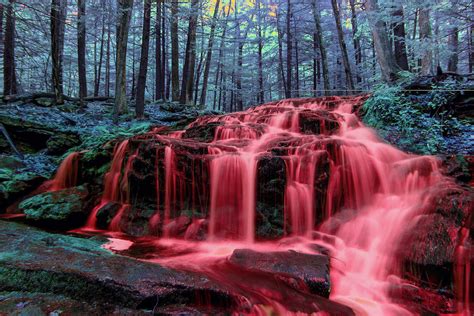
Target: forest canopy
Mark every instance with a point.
(226, 54)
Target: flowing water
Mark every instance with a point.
(373, 196)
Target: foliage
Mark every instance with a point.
(414, 122)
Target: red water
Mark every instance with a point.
(66, 175)
(375, 194)
(112, 184)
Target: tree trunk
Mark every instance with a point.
(210, 45)
(58, 17)
(159, 74)
(280, 54)
(453, 44)
(471, 42)
(101, 54)
(1, 29)
(342, 45)
(123, 26)
(381, 43)
(190, 57)
(81, 48)
(289, 52)
(107, 63)
(141, 85)
(9, 71)
(425, 37)
(355, 38)
(261, 92)
(399, 36)
(219, 72)
(174, 50)
(297, 68)
(322, 47)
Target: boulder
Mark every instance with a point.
(61, 143)
(16, 186)
(106, 213)
(79, 269)
(305, 272)
(64, 208)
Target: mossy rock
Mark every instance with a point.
(19, 185)
(64, 208)
(45, 102)
(60, 143)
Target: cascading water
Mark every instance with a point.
(373, 195)
(67, 173)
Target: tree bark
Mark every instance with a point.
(1, 29)
(107, 62)
(142, 73)
(280, 53)
(101, 54)
(174, 51)
(355, 38)
(159, 75)
(381, 43)
(425, 37)
(58, 18)
(289, 52)
(81, 48)
(453, 44)
(123, 26)
(261, 92)
(219, 72)
(399, 36)
(190, 57)
(322, 47)
(342, 45)
(210, 45)
(9, 71)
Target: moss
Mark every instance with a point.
(60, 206)
(73, 285)
(414, 122)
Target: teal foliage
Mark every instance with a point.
(414, 123)
(105, 133)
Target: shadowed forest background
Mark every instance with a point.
(227, 54)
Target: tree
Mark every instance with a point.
(210, 46)
(261, 92)
(190, 57)
(81, 48)
(174, 50)
(160, 71)
(399, 36)
(289, 48)
(141, 84)
(9, 71)
(58, 20)
(383, 50)
(425, 37)
(453, 45)
(342, 45)
(1, 29)
(322, 48)
(355, 37)
(123, 26)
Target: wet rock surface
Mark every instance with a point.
(299, 270)
(58, 209)
(33, 261)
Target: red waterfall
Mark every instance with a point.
(370, 198)
(112, 189)
(66, 175)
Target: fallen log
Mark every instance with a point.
(31, 97)
(10, 141)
